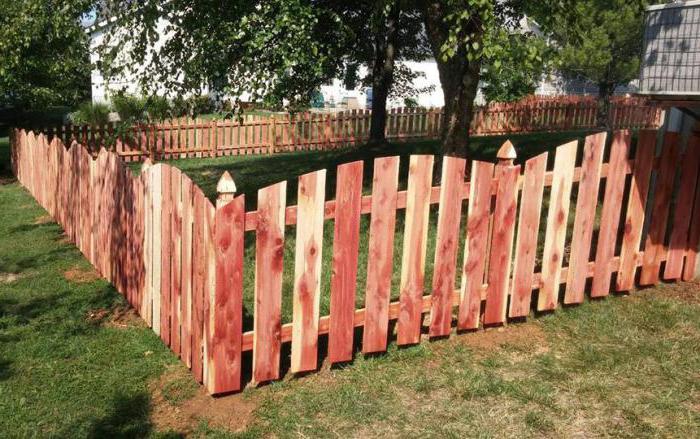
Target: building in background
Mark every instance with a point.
(670, 70)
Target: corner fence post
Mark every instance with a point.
(226, 304)
(506, 156)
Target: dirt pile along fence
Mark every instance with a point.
(183, 137)
(179, 259)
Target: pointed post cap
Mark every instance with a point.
(506, 153)
(226, 187)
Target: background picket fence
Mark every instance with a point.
(255, 134)
(179, 259)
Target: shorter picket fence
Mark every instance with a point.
(255, 134)
(179, 259)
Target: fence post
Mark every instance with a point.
(506, 155)
(225, 332)
(273, 135)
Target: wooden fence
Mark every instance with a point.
(179, 259)
(254, 134)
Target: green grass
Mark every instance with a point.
(621, 367)
(63, 373)
(255, 172)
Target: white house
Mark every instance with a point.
(335, 94)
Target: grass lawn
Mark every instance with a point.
(75, 362)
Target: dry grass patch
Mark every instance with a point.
(81, 275)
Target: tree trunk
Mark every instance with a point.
(460, 82)
(459, 78)
(383, 73)
(605, 91)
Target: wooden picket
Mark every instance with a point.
(253, 134)
(179, 259)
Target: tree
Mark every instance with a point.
(383, 32)
(277, 50)
(516, 69)
(44, 57)
(597, 40)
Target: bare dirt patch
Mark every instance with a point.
(117, 317)
(81, 275)
(688, 292)
(522, 336)
(182, 409)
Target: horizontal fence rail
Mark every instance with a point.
(631, 216)
(255, 134)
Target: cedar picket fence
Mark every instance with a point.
(254, 134)
(178, 259)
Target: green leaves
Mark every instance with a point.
(43, 53)
(599, 40)
(278, 50)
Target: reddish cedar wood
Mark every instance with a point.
(420, 176)
(225, 346)
(380, 257)
(475, 245)
(199, 281)
(307, 270)
(586, 202)
(556, 225)
(634, 218)
(654, 246)
(346, 239)
(175, 258)
(610, 216)
(157, 193)
(269, 251)
(166, 242)
(187, 274)
(693, 239)
(683, 210)
(447, 241)
(502, 245)
(526, 242)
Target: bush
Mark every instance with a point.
(157, 109)
(91, 114)
(131, 109)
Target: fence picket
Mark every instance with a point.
(346, 238)
(307, 270)
(610, 215)
(475, 245)
(380, 257)
(447, 241)
(584, 221)
(684, 205)
(526, 241)
(634, 218)
(557, 220)
(187, 280)
(166, 248)
(269, 250)
(175, 258)
(654, 244)
(420, 176)
(502, 245)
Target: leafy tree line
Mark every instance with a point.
(280, 51)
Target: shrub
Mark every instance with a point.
(91, 114)
(158, 109)
(131, 109)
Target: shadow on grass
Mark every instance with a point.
(128, 417)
